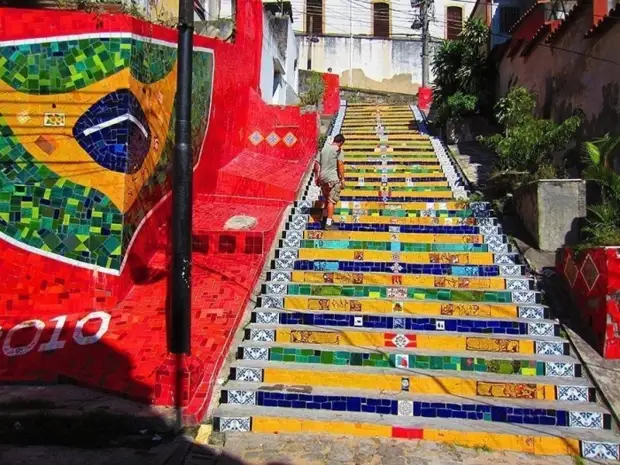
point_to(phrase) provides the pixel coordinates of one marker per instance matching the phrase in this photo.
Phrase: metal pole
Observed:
(350, 43)
(424, 9)
(311, 42)
(182, 188)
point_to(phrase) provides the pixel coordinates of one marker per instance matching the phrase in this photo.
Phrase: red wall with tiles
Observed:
(594, 279)
(66, 308)
(331, 96)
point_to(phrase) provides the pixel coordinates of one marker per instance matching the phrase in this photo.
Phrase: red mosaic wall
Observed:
(61, 322)
(594, 277)
(331, 96)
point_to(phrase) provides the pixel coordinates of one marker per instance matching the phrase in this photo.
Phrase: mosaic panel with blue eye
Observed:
(115, 132)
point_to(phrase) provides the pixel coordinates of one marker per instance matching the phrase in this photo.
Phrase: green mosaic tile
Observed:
(52, 213)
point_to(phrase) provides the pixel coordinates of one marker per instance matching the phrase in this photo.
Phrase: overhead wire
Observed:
(340, 10)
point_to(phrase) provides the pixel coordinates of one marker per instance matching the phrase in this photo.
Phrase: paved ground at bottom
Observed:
(289, 449)
(283, 449)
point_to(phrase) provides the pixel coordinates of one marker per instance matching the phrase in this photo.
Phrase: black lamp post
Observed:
(180, 312)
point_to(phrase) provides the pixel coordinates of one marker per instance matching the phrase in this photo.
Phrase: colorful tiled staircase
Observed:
(414, 320)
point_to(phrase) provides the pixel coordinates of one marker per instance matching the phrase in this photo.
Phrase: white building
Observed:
(279, 82)
(371, 44)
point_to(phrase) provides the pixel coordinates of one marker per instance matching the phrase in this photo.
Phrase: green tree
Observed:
(461, 67)
(527, 143)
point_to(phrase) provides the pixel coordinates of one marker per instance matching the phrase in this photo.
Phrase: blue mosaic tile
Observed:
(370, 227)
(412, 324)
(122, 146)
(388, 267)
(492, 413)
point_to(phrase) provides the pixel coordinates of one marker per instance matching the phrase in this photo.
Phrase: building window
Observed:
(381, 19)
(508, 16)
(314, 17)
(454, 16)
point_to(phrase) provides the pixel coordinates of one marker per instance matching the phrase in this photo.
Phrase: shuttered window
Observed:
(454, 16)
(381, 19)
(314, 17)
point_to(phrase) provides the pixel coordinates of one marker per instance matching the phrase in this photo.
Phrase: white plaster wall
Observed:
(379, 64)
(288, 89)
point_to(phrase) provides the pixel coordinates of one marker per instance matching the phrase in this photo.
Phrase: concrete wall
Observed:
(377, 64)
(552, 227)
(571, 74)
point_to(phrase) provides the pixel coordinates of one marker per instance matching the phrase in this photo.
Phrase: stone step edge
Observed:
(556, 441)
(490, 377)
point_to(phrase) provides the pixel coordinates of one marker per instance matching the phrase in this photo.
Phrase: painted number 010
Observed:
(55, 343)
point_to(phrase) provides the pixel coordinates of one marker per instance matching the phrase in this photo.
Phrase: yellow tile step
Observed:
(443, 342)
(424, 382)
(427, 238)
(402, 307)
(495, 283)
(447, 194)
(445, 258)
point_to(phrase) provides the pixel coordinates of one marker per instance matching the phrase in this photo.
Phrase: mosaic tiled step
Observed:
(513, 364)
(392, 246)
(460, 325)
(409, 155)
(424, 183)
(455, 407)
(410, 143)
(374, 162)
(380, 176)
(412, 171)
(539, 440)
(434, 269)
(404, 219)
(414, 229)
(400, 197)
(400, 292)
(453, 258)
(371, 338)
(430, 237)
(405, 137)
(387, 279)
(440, 189)
(414, 307)
(379, 181)
(415, 381)
(409, 206)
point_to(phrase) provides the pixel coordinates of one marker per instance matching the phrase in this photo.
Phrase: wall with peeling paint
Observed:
(388, 65)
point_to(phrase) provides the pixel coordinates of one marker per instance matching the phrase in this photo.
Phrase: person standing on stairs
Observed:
(329, 176)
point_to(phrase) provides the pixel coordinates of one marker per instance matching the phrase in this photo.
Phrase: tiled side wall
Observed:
(88, 126)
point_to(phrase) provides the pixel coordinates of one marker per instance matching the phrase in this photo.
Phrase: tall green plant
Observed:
(315, 90)
(603, 222)
(461, 66)
(527, 143)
